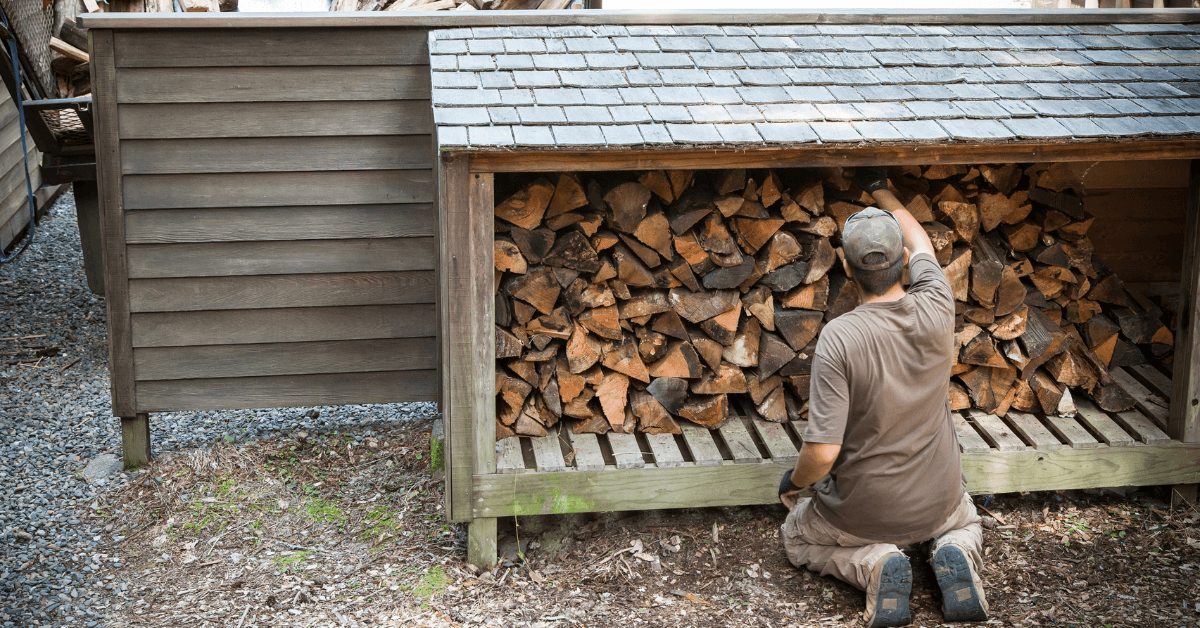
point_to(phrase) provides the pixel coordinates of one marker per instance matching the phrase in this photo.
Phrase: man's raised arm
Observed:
(874, 181)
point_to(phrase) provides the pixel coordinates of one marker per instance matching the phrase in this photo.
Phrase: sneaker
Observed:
(887, 593)
(962, 590)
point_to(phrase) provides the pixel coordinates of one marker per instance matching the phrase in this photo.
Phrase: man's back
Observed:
(879, 384)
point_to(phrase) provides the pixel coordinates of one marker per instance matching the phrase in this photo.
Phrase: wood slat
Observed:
(547, 454)
(741, 445)
(1156, 382)
(291, 358)
(1149, 403)
(700, 442)
(1142, 427)
(277, 154)
(276, 189)
(508, 455)
(224, 327)
(775, 437)
(258, 84)
(12, 228)
(665, 449)
(14, 206)
(743, 484)
(287, 390)
(586, 452)
(970, 440)
(1072, 432)
(996, 433)
(280, 291)
(337, 222)
(294, 257)
(626, 450)
(1100, 423)
(276, 119)
(272, 46)
(1032, 430)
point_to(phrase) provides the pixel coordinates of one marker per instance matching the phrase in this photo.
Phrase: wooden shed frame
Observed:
(476, 492)
(468, 353)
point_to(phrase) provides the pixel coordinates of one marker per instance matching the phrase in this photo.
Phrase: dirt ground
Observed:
(319, 532)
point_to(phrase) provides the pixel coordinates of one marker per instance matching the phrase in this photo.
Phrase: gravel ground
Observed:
(55, 418)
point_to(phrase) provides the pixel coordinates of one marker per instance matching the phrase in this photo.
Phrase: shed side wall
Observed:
(280, 216)
(14, 204)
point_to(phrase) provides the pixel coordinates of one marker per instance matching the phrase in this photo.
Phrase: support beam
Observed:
(814, 155)
(481, 542)
(523, 494)
(87, 215)
(481, 343)
(1184, 421)
(135, 440)
(112, 226)
(454, 311)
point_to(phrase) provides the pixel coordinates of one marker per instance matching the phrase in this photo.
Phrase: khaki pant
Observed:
(812, 542)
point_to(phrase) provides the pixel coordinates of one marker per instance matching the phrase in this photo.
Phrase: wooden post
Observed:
(87, 215)
(112, 225)
(454, 311)
(1184, 421)
(481, 544)
(468, 344)
(135, 440)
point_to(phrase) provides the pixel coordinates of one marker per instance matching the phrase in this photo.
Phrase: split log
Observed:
(628, 204)
(526, 208)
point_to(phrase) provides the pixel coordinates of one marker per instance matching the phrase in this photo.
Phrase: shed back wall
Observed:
(279, 214)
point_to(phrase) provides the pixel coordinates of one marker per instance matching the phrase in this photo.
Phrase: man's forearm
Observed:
(814, 463)
(915, 238)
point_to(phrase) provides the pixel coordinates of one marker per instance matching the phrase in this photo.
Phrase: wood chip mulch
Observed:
(317, 531)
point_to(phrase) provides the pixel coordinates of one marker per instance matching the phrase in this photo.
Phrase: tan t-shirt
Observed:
(879, 382)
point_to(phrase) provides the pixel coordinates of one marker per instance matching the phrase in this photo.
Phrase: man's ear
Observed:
(846, 267)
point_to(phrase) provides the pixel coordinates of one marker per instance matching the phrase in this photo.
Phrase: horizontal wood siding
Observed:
(279, 216)
(272, 84)
(267, 189)
(287, 390)
(280, 119)
(280, 291)
(14, 201)
(222, 327)
(279, 223)
(147, 261)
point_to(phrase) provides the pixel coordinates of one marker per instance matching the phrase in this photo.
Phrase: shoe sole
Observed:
(891, 602)
(960, 598)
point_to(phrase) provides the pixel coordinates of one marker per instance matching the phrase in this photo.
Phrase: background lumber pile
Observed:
(630, 301)
(454, 5)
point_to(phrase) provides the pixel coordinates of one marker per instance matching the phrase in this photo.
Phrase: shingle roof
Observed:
(666, 86)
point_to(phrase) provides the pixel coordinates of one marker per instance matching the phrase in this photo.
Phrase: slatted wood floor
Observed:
(749, 439)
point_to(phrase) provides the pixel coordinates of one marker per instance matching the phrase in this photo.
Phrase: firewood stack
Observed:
(699, 295)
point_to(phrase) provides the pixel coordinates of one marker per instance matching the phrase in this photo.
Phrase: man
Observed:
(880, 453)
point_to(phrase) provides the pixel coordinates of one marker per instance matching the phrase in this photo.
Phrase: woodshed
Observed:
(606, 242)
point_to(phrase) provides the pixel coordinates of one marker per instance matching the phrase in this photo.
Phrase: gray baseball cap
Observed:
(872, 230)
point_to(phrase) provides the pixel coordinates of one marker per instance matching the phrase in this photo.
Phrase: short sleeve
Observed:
(828, 401)
(926, 278)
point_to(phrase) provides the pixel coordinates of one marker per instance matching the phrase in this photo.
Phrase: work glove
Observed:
(871, 178)
(789, 493)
